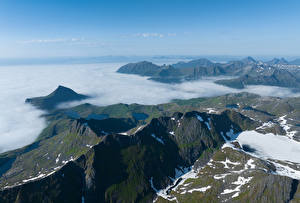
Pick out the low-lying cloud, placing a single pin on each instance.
(21, 123)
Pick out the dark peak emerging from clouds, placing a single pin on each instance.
(143, 68)
(60, 95)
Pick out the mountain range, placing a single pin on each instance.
(248, 71)
(182, 151)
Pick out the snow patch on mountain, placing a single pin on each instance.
(286, 127)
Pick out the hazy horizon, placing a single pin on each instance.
(168, 59)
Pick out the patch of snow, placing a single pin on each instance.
(66, 161)
(178, 123)
(182, 174)
(199, 118)
(187, 184)
(35, 178)
(220, 176)
(265, 125)
(227, 144)
(286, 127)
(285, 170)
(239, 182)
(212, 110)
(250, 164)
(202, 189)
(152, 186)
(139, 128)
(231, 134)
(157, 138)
(57, 159)
(173, 119)
(227, 161)
(172, 133)
(208, 126)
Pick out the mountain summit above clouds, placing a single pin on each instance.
(60, 95)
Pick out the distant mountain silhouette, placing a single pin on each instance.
(60, 95)
(277, 61)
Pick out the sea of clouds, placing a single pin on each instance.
(20, 123)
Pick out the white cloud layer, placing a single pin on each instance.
(21, 123)
(267, 146)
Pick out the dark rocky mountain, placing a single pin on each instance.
(182, 71)
(121, 158)
(249, 72)
(143, 68)
(120, 167)
(194, 64)
(295, 62)
(278, 77)
(60, 95)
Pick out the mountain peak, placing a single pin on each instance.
(277, 61)
(60, 95)
(62, 87)
(249, 59)
(63, 90)
(144, 68)
(202, 62)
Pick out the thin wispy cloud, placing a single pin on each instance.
(172, 34)
(48, 41)
(147, 35)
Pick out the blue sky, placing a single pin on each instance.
(55, 28)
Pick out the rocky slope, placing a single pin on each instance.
(139, 153)
(120, 167)
(233, 176)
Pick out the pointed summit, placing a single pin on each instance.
(60, 95)
(249, 60)
(61, 90)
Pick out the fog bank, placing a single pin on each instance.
(21, 123)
